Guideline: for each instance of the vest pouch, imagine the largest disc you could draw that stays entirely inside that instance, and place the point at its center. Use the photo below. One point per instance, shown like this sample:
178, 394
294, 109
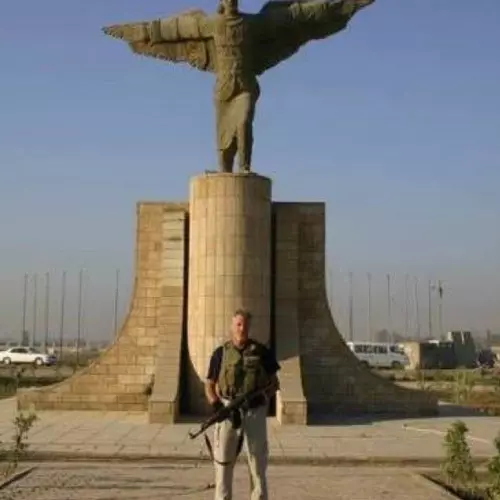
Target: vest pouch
252, 367
251, 362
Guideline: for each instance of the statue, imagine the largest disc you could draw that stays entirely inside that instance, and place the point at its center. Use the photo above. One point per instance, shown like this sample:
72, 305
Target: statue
237, 47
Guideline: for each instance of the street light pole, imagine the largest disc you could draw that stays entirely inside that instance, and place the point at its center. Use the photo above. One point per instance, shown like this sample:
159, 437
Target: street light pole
430, 308
47, 310
389, 312
407, 313
25, 308
117, 291
61, 326
35, 309
417, 309
351, 308
370, 333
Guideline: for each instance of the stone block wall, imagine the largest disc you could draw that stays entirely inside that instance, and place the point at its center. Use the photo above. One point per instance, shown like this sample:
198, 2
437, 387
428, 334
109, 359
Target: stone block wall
164, 404
291, 403
119, 379
333, 380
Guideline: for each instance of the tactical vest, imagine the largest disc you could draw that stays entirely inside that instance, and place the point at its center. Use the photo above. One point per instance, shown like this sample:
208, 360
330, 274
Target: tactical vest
241, 370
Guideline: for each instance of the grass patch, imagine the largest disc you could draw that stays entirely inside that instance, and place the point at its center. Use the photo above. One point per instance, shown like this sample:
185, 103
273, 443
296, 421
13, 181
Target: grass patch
484, 402
10, 384
480, 376
465, 493
477, 389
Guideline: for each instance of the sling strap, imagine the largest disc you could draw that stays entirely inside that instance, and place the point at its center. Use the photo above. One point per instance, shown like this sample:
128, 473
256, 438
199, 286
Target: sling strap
239, 446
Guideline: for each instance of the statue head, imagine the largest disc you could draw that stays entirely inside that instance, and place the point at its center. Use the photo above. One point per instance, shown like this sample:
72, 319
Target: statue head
227, 7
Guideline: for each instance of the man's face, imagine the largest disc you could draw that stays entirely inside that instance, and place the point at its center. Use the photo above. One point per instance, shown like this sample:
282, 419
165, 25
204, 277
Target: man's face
239, 330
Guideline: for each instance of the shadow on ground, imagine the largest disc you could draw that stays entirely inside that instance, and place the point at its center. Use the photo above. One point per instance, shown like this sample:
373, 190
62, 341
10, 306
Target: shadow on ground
445, 411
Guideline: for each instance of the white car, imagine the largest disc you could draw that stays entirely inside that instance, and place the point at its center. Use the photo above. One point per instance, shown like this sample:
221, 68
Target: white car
379, 355
26, 355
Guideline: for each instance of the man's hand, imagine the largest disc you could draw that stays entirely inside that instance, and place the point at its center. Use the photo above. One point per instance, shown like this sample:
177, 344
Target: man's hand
259, 400
217, 405
211, 393
255, 402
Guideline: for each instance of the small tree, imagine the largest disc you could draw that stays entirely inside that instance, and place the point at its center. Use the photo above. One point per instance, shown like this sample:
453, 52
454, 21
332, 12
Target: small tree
494, 472
22, 423
458, 467
464, 385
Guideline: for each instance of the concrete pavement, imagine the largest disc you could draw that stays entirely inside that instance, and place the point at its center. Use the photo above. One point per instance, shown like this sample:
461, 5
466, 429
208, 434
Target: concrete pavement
83, 435
139, 481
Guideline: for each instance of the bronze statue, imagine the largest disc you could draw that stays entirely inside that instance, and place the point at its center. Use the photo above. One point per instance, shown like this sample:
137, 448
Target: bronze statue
237, 47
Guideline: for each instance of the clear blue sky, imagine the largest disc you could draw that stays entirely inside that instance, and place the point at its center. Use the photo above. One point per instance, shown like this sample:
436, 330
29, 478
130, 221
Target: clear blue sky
395, 124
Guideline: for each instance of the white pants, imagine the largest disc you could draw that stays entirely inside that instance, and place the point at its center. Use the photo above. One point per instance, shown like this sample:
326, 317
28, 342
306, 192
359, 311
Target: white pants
254, 428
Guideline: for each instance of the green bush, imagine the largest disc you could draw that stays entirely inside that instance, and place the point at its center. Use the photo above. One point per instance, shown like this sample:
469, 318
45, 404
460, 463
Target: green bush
458, 468
15, 452
494, 472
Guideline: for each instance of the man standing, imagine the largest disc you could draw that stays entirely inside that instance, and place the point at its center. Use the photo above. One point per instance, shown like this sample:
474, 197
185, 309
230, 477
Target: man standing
237, 367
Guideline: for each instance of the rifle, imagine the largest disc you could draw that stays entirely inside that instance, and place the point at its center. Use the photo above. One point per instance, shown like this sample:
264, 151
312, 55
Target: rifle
226, 412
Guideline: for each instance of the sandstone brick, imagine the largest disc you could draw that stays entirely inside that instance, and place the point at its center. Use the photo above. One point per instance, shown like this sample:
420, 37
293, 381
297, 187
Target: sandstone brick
146, 360
165, 323
173, 292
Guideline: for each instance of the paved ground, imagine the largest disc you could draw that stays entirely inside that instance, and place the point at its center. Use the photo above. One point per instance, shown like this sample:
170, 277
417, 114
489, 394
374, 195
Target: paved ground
154, 482
129, 435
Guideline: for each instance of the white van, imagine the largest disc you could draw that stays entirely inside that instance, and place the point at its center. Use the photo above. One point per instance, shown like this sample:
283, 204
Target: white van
379, 355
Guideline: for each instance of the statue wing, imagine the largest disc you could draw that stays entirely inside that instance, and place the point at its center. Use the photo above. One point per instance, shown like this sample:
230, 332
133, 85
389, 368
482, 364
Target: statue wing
184, 38
284, 26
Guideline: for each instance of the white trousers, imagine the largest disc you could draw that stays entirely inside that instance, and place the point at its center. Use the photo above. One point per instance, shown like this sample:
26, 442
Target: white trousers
254, 428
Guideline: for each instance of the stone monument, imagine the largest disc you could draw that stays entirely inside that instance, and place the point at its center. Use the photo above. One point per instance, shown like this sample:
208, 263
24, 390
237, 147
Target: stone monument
231, 246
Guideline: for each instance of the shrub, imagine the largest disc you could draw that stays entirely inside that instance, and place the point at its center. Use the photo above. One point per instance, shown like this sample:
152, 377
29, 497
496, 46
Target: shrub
458, 467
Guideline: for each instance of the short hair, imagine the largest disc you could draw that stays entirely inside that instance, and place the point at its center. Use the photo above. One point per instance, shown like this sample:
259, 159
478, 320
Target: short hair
245, 314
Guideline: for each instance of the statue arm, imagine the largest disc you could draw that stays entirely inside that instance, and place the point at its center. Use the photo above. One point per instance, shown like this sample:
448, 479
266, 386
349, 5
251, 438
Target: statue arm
282, 17
283, 27
185, 38
189, 26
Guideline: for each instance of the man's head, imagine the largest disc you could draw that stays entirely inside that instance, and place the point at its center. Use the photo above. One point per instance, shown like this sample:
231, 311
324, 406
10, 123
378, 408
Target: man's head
227, 7
240, 325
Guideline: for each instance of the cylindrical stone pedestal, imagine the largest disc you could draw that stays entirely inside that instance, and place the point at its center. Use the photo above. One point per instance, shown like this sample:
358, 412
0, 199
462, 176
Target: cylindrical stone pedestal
229, 266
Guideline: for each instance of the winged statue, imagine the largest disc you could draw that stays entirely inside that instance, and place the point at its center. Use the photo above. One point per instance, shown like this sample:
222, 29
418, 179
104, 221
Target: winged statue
237, 47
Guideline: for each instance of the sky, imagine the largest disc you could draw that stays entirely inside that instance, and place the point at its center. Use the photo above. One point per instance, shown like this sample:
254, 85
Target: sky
393, 123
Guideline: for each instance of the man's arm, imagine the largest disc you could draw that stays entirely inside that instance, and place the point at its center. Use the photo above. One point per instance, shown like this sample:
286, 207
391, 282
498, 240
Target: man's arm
210, 392
212, 377
272, 367
274, 386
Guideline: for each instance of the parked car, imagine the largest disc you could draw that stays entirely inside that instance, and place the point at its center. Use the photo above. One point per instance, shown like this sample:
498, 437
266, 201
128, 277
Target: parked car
379, 355
26, 355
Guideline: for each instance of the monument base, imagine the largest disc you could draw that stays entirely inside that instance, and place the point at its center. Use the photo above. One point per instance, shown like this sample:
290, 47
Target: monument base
148, 346
320, 375
148, 366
